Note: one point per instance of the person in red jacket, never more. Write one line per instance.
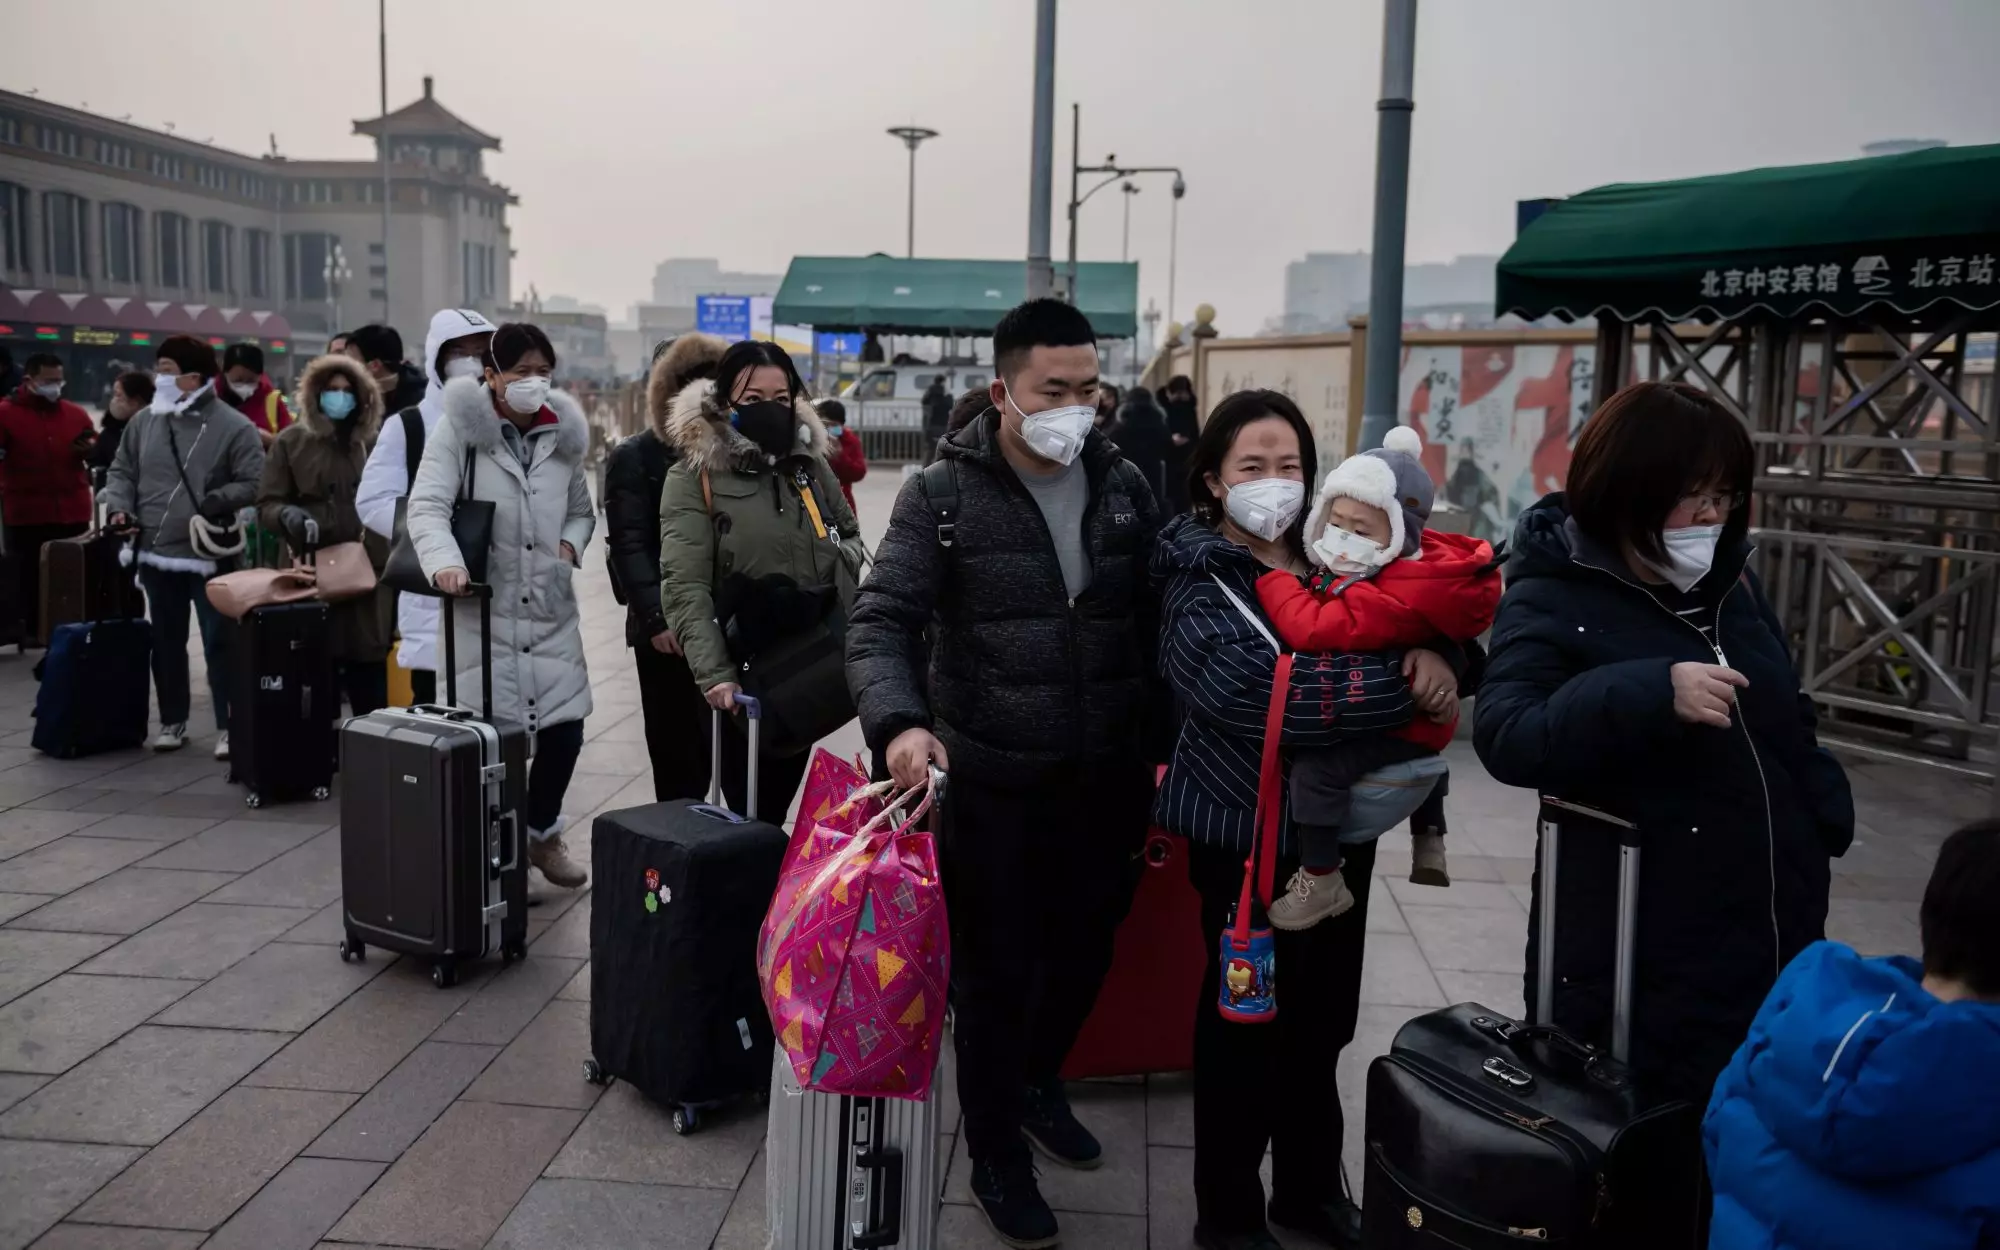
(44, 478)
(246, 389)
(844, 454)
(1380, 581)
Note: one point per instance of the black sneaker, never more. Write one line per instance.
(1054, 1129)
(1338, 1224)
(1012, 1204)
(1259, 1240)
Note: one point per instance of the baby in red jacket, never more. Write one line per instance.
(1380, 581)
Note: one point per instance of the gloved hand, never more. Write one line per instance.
(215, 509)
(294, 520)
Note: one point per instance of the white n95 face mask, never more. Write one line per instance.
(1348, 553)
(167, 395)
(526, 395)
(1055, 433)
(1265, 506)
(1690, 554)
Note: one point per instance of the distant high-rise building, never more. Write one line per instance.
(1326, 288)
(677, 282)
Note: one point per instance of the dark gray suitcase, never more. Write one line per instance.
(432, 846)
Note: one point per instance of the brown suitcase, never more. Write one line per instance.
(83, 581)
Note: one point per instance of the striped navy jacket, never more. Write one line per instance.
(1221, 667)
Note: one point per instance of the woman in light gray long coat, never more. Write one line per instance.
(510, 439)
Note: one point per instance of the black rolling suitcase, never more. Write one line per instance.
(432, 845)
(1487, 1132)
(281, 712)
(675, 1007)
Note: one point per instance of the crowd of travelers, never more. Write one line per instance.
(1093, 612)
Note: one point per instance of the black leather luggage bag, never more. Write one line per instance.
(1484, 1131)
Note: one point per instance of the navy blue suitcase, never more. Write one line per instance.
(96, 681)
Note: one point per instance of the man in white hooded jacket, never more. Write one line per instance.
(456, 335)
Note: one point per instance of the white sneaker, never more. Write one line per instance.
(222, 745)
(1309, 899)
(172, 737)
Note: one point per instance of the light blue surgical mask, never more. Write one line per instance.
(337, 405)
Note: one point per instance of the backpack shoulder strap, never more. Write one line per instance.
(271, 402)
(413, 442)
(939, 482)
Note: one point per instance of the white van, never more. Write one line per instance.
(890, 397)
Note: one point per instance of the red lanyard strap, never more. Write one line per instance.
(1261, 867)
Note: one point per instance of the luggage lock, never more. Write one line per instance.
(498, 844)
(1514, 1079)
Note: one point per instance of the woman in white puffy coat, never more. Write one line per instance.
(522, 445)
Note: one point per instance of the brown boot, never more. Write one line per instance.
(1427, 865)
(551, 856)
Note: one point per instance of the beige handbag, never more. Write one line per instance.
(235, 594)
(344, 572)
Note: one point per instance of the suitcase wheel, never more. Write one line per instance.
(444, 974)
(513, 950)
(352, 948)
(321, 793)
(595, 1073)
(686, 1120)
(253, 800)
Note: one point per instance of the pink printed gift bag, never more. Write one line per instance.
(855, 954)
(838, 795)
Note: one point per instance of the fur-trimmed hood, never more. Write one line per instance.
(673, 369)
(468, 405)
(367, 416)
(698, 429)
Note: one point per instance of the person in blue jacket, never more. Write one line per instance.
(1637, 670)
(1864, 1110)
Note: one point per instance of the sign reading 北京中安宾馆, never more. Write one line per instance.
(1909, 278)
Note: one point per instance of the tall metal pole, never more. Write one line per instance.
(1125, 242)
(911, 137)
(910, 216)
(1173, 252)
(1075, 171)
(1392, 202)
(1041, 168)
(382, 21)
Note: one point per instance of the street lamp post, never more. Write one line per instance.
(1392, 202)
(911, 137)
(382, 28)
(1041, 152)
(1125, 241)
(1116, 172)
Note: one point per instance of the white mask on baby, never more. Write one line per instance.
(1690, 553)
(1265, 506)
(1350, 554)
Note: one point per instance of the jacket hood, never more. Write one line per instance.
(1859, 1070)
(468, 405)
(671, 375)
(446, 324)
(367, 415)
(1188, 545)
(699, 430)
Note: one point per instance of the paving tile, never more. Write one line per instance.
(210, 807)
(1501, 991)
(578, 988)
(1469, 939)
(15, 793)
(1394, 971)
(627, 1137)
(85, 798)
(281, 987)
(299, 1205)
(962, 1228)
(359, 1042)
(454, 1187)
(161, 774)
(610, 1215)
(29, 957)
(747, 1226)
(511, 997)
(67, 863)
(195, 943)
(404, 1103)
(12, 905)
(1492, 895)
(212, 1164)
(57, 1026)
(146, 826)
(14, 1086)
(1170, 1109)
(1383, 914)
(234, 846)
(568, 936)
(325, 928)
(24, 829)
(40, 1182)
(1116, 1113)
(552, 902)
(125, 901)
(1873, 928)
(306, 876)
(67, 1236)
(543, 1066)
(141, 1087)
(1169, 1196)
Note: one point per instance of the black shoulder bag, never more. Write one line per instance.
(471, 529)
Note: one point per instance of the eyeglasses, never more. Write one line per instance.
(1705, 501)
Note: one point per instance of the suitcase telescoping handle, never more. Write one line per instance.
(753, 711)
(484, 593)
(1628, 921)
(875, 1215)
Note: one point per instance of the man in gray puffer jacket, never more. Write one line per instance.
(184, 466)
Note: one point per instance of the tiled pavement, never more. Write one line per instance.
(185, 1062)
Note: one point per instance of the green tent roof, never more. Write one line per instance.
(901, 296)
(1906, 231)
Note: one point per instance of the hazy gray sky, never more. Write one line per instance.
(635, 130)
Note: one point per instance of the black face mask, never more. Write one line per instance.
(771, 424)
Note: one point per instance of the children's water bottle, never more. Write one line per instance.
(1248, 993)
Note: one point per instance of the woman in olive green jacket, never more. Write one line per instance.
(756, 540)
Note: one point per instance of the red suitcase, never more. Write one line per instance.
(1144, 1018)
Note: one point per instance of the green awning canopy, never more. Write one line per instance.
(1908, 232)
(898, 296)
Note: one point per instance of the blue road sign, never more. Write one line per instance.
(725, 316)
(829, 344)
